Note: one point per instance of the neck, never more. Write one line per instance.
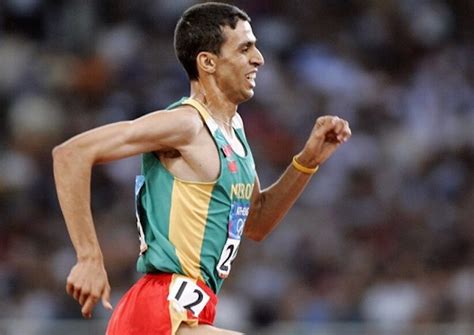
(220, 108)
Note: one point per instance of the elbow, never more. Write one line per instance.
(58, 152)
(62, 152)
(255, 236)
(71, 152)
(254, 228)
(61, 160)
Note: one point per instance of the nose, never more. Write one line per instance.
(257, 58)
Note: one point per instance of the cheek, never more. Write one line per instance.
(233, 70)
(230, 73)
(230, 76)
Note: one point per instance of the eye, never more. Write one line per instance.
(245, 49)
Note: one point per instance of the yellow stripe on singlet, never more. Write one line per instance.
(188, 217)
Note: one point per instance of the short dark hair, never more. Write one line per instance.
(200, 29)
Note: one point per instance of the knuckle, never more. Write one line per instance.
(76, 286)
(94, 296)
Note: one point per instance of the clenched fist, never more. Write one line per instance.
(327, 134)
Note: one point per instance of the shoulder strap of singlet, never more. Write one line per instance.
(211, 124)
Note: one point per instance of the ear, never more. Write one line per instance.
(206, 62)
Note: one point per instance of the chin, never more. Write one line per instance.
(247, 95)
(242, 96)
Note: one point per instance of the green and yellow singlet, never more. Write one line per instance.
(194, 228)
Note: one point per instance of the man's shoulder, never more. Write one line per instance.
(182, 123)
(184, 114)
(187, 116)
(187, 119)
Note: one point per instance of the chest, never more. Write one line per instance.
(201, 160)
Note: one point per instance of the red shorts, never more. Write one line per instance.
(158, 303)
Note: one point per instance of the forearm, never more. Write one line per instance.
(274, 203)
(72, 174)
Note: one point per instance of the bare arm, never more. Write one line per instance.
(270, 205)
(73, 161)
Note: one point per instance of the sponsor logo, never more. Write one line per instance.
(241, 191)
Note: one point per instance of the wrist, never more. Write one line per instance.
(90, 256)
(306, 161)
(306, 168)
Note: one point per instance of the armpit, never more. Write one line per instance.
(168, 153)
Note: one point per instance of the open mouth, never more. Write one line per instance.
(251, 78)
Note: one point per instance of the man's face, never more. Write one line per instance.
(238, 62)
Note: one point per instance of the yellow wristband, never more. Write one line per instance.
(302, 168)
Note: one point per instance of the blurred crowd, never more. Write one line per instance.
(385, 231)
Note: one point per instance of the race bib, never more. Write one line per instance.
(186, 295)
(228, 255)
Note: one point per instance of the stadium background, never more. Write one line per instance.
(381, 242)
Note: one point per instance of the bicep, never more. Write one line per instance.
(127, 138)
